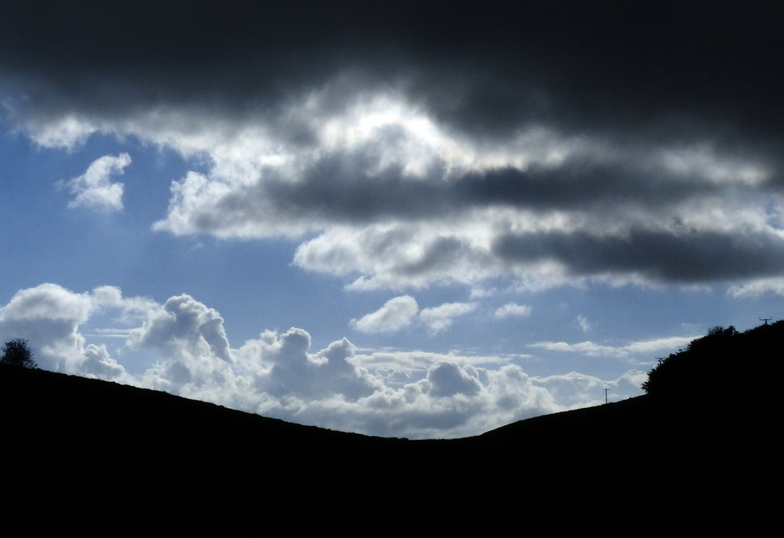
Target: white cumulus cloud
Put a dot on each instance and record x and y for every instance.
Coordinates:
(181, 347)
(50, 317)
(94, 189)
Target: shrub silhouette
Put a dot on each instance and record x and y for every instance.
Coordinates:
(17, 353)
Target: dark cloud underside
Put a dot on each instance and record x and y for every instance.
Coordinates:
(339, 190)
(486, 68)
(655, 255)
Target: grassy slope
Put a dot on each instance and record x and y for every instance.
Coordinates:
(88, 452)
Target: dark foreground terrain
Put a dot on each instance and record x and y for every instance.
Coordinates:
(97, 456)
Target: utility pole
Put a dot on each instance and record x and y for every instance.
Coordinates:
(766, 320)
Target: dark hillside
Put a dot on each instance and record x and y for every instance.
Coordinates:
(88, 454)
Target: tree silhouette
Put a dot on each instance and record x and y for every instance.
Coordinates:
(18, 354)
(707, 362)
(691, 369)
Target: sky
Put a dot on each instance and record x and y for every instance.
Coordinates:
(421, 220)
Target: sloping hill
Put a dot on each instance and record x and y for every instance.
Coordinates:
(89, 454)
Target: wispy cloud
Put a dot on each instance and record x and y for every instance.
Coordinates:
(396, 314)
(583, 323)
(641, 348)
(439, 318)
(513, 310)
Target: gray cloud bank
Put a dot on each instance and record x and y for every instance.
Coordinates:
(413, 144)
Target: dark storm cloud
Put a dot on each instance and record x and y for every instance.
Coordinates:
(656, 68)
(636, 82)
(658, 256)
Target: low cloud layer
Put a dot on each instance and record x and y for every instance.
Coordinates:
(181, 347)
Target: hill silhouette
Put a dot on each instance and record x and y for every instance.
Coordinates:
(87, 454)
